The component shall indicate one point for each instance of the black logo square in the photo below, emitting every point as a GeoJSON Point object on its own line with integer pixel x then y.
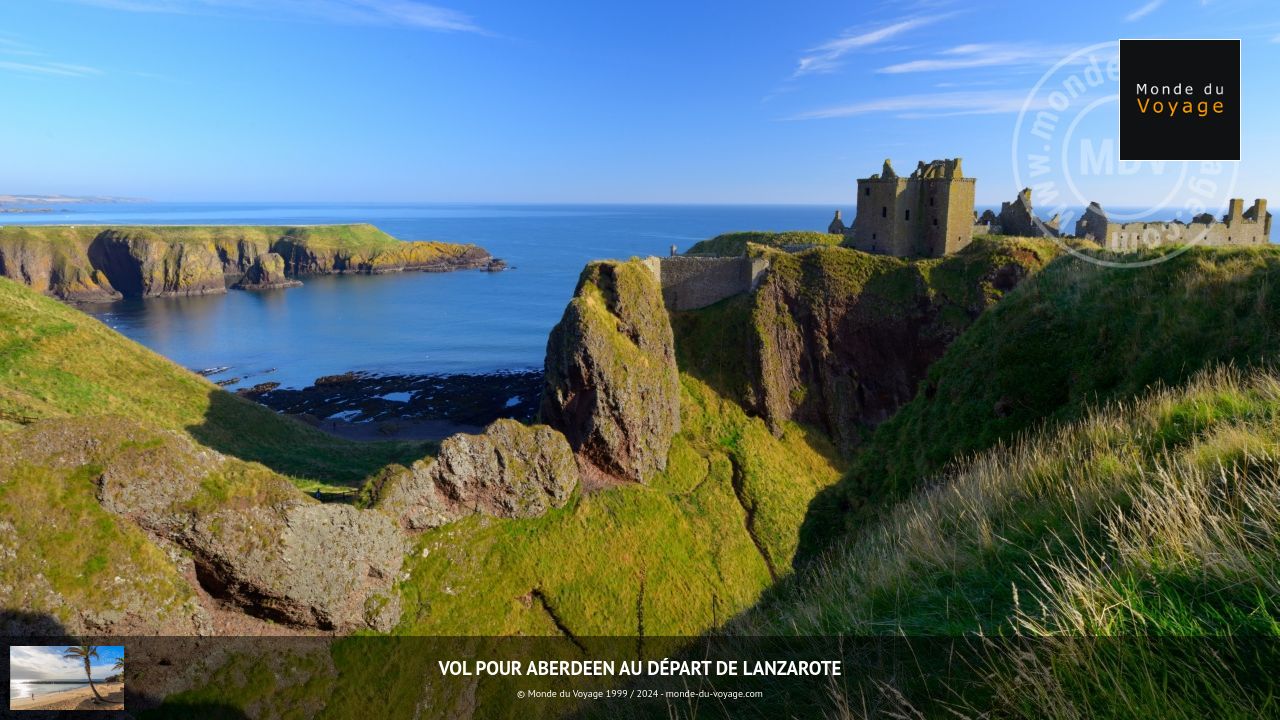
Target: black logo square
{"type": "Point", "coordinates": [1179, 99]}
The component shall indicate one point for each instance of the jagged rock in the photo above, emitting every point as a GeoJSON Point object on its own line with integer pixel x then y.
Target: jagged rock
{"type": "Point", "coordinates": [612, 386]}
{"type": "Point", "coordinates": [266, 273]}
{"type": "Point", "coordinates": [511, 470]}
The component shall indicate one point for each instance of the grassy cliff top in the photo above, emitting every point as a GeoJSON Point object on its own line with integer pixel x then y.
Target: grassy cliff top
{"type": "Point", "coordinates": [735, 243]}
{"type": "Point", "coordinates": [57, 362]}
{"type": "Point", "coordinates": [362, 237]}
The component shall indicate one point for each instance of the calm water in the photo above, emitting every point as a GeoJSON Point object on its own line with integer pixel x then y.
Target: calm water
{"type": "Point", "coordinates": [468, 321]}
{"type": "Point", "coordinates": [24, 688]}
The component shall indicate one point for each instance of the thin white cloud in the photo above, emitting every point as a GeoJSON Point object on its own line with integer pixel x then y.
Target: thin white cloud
{"type": "Point", "coordinates": [827, 56]}
{"type": "Point", "coordinates": [398, 13]}
{"type": "Point", "coordinates": [927, 105]}
{"type": "Point", "coordinates": [38, 662]}
{"type": "Point", "coordinates": [33, 62]}
{"type": "Point", "coordinates": [982, 55]}
{"type": "Point", "coordinates": [1144, 11]}
{"type": "Point", "coordinates": [49, 68]}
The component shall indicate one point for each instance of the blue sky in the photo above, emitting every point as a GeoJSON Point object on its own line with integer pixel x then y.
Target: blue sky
{"type": "Point", "coordinates": [46, 662]}
{"type": "Point", "coordinates": [567, 101]}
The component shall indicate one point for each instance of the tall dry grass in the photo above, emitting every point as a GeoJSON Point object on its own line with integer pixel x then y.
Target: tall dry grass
{"type": "Point", "coordinates": [1131, 563]}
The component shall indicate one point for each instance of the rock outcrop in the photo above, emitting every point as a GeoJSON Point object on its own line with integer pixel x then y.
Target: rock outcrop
{"type": "Point", "coordinates": [141, 264]}
{"type": "Point", "coordinates": [266, 273]}
{"type": "Point", "coordinates": [612, 386]}
{"type": "Point", "coordinates": [252, 539]}
{"type": "Point", "coordinates": [511, 471]}
{"type": "Point", "coordinates": [90, 264]}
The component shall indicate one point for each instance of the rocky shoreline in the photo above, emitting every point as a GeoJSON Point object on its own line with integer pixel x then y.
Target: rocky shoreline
{"type": "Point", "coordinates": [368, 406]}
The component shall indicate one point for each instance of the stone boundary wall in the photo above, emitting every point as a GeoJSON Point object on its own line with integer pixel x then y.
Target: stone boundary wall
{"type": "Point", "coordinates": [689, 282]}
{"type": "Point", "coordinates": [1237, 227]}
{"type": "Point", "coordinates": [1135, 235]}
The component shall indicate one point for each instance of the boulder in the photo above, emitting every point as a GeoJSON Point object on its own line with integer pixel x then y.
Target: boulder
{"type": "Point", "coordinates": [612, 386]}
{"type": "Point", "coordinates": [511, 470]}
{"type": "Point", "coordinates": [268, 560]}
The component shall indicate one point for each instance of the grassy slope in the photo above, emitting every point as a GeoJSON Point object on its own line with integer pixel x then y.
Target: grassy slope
{"type": "Point", "coordinates": [682, 540]}
{"type": "Point", "coordinates": [1155, 516]}
{"type": "Point", "coordinates": [735, 243]}
{"type": "Point", "coordinates": [1078, 334]}
{"type": "Point", "coordinates": [56, 362]}
{"type": "Point", "coordinates": [1151, 517]}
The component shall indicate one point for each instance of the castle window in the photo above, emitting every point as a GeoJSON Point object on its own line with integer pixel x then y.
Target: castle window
{"type": "Point", "coordinates": [884, 211]}
{"type": "Point", "coordinates": [935, 222]}
{"type": "Point", "coordinates": [873, 237]}
{"type": "Point", "coordinates": [931, 204]}
{"type": "Point", "coordinates": [907, 216]}
{"type": "Point", "coordinates": [867, 191]}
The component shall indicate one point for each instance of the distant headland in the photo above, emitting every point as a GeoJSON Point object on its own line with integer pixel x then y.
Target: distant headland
{"type": "Point", "coordinates": [89, 263]}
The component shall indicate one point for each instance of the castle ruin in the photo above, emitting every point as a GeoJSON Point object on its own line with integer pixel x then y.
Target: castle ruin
{"type": "Point", "coordinates": [1237, 227]}
{"type": "Point", "coordinates": [1018, 219]}
{"type": "Point", "coordinates": [931, 214]}
{"type": "Point", "coordinates": [928, 214]}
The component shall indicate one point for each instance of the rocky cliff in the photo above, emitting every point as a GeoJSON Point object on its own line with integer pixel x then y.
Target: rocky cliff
{"type": "Point", "coordinates": [85, 263]}
{"type": "Point", "coordinates": [612, 386]}
{"type": "Point", "coordinates": [266, 273]}
{"type": "Point", "coordinates": [840, 339]}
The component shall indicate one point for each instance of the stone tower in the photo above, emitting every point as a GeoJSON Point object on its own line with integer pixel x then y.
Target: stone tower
{"type": "Point", "coordinates": [928, 214]}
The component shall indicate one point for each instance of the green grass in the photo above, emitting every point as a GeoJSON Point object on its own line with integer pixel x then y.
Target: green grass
{"type": "Point", "coordinates": [1074, 336]}
{"type": "Point", "coordinates": [1154, 517]}
{"type": "Point", "coordinates": [58, 362]}
{"type": "Point", "coordinates": [735, 243]}
{"type": "Point", "coordinates": [674, 556]}
{"type": "Point", "coordinates": [356, 238]}
{"type": "Point", "coordinates": [57, 540]}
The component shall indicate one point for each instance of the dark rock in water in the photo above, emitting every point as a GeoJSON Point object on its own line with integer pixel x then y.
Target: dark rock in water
{"type": "Point", "coordinates": [340, 379]}
{"type": "Point", "coordinates": [226, 381]}
{"type": "Point", "coordinates": [496, 265]}
{"type": "Point", "coordinates": [511, 471]}
{"type": "Point", "coordinates": [212, 371]}
{"type": "Point", "coordinates": [266, 273]}
{"type": "Point", "coordinates": [387, 400]}
{"type": "Point", "coordinates": [612, 386]}
{"type": "Point", "coordinates": [258, 389]}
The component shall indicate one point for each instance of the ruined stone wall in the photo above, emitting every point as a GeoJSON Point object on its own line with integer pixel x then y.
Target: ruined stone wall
{"type": "Point", "coordinates": [878, 226]}
{"type": "Point", "coordinates": [955, 221]}
{"type": "Point", "coordinates": [689, 283]}
{"type": "Point", "coordinates": [1238, 227]}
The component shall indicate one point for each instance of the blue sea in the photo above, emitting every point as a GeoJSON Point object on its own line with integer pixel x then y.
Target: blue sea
{"type": "Point", "coordinates": [19, 689]}
{"type": "Point", "coordinates": [468, 321]}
